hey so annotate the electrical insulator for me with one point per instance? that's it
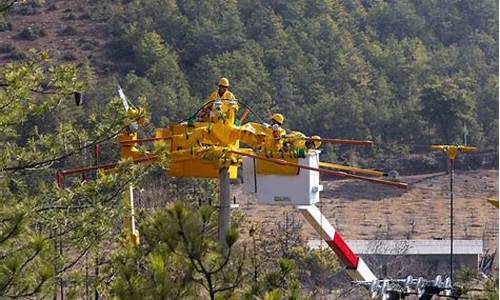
(218, 104)
(420, 286)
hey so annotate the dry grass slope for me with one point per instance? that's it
(365, 211)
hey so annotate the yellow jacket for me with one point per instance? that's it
(208, 106)
(263, 136)
(296, 139)
(215, 95)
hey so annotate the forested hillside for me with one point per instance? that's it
(395, 71)
(413, 71)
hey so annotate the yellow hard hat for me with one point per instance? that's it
(139, 114)
(316, 143)
(224, 82)
(278, 118)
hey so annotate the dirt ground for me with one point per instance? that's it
(360, 210)
(85, 44)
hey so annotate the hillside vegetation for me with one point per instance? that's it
(414, 71)
(394, 71)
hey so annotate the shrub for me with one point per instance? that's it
(69, 56)
(31, 33)
(84, 16)
(70, 17)
(36, 3)
(88, 41)
(88, 44)
(12, 51)
(29, 7)
(52, 7)
(7, 48)
(70, 30)
(5, 26)
(16, 54)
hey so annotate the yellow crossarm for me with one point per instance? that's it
(493, 202)
(351, 169)
(452, 150)
(466, 149)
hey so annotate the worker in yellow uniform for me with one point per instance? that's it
(220, 104)
(274, 132)
(314, 144)
(297, 140)
(294, 140)
(275, 124)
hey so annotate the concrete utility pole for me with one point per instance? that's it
(451, 174)
(224, 206)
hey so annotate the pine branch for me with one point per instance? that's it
(18, 270)
(61, 157)
(6, 7)
(70, 265)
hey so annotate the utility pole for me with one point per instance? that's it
(451, 163)
(451, 153)
(86, 277)
(97, 156)
(61, 282)
(224, 206)
(466, 133)
(131, 232)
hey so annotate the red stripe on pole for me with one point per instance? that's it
(58, 179)
(343, 251)
(97, 152)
